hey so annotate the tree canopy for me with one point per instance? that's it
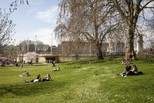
(86, 20)
(95, 20)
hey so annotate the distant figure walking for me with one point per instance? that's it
(17, 64)
(53, 63)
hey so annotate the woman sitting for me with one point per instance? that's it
(135, 70)
(25, 74)
(47, 78)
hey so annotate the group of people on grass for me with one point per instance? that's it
(128, 70)
(39, 79)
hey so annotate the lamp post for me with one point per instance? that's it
(51, 43)
(27, 43)
(35, 43)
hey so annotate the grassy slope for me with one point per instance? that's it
(79, 82)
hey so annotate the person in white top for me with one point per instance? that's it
(47, 78)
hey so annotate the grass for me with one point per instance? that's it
(86, 81)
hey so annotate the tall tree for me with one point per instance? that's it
(7, 25)
(6, 29)
(86, 20)
(130, 11)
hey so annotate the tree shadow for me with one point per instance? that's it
(28, 89)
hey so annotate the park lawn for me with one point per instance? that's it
(86, 81)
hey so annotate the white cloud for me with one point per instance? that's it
(147, 12)
(49, 15)
(45, 35)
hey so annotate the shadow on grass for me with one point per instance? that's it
(91, 61)
(35, 64)
(28, 89)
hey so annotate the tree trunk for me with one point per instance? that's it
(130, 53)
(99, 51)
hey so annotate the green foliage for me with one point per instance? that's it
(85, 81)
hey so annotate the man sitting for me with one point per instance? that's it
(126, 71)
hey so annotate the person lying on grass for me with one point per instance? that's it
(38, 79)
(129, 71)
(58, 69)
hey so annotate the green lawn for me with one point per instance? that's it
(86, 81)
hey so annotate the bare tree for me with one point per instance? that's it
(86, 20)
(7, 25)
(6, 30)
(12, 52)
(130, 11)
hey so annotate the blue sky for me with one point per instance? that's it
(35, 21)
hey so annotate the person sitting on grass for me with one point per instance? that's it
(47, 78)
(25, 74)
(127, 70)
(135, 70)
(38, 79)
